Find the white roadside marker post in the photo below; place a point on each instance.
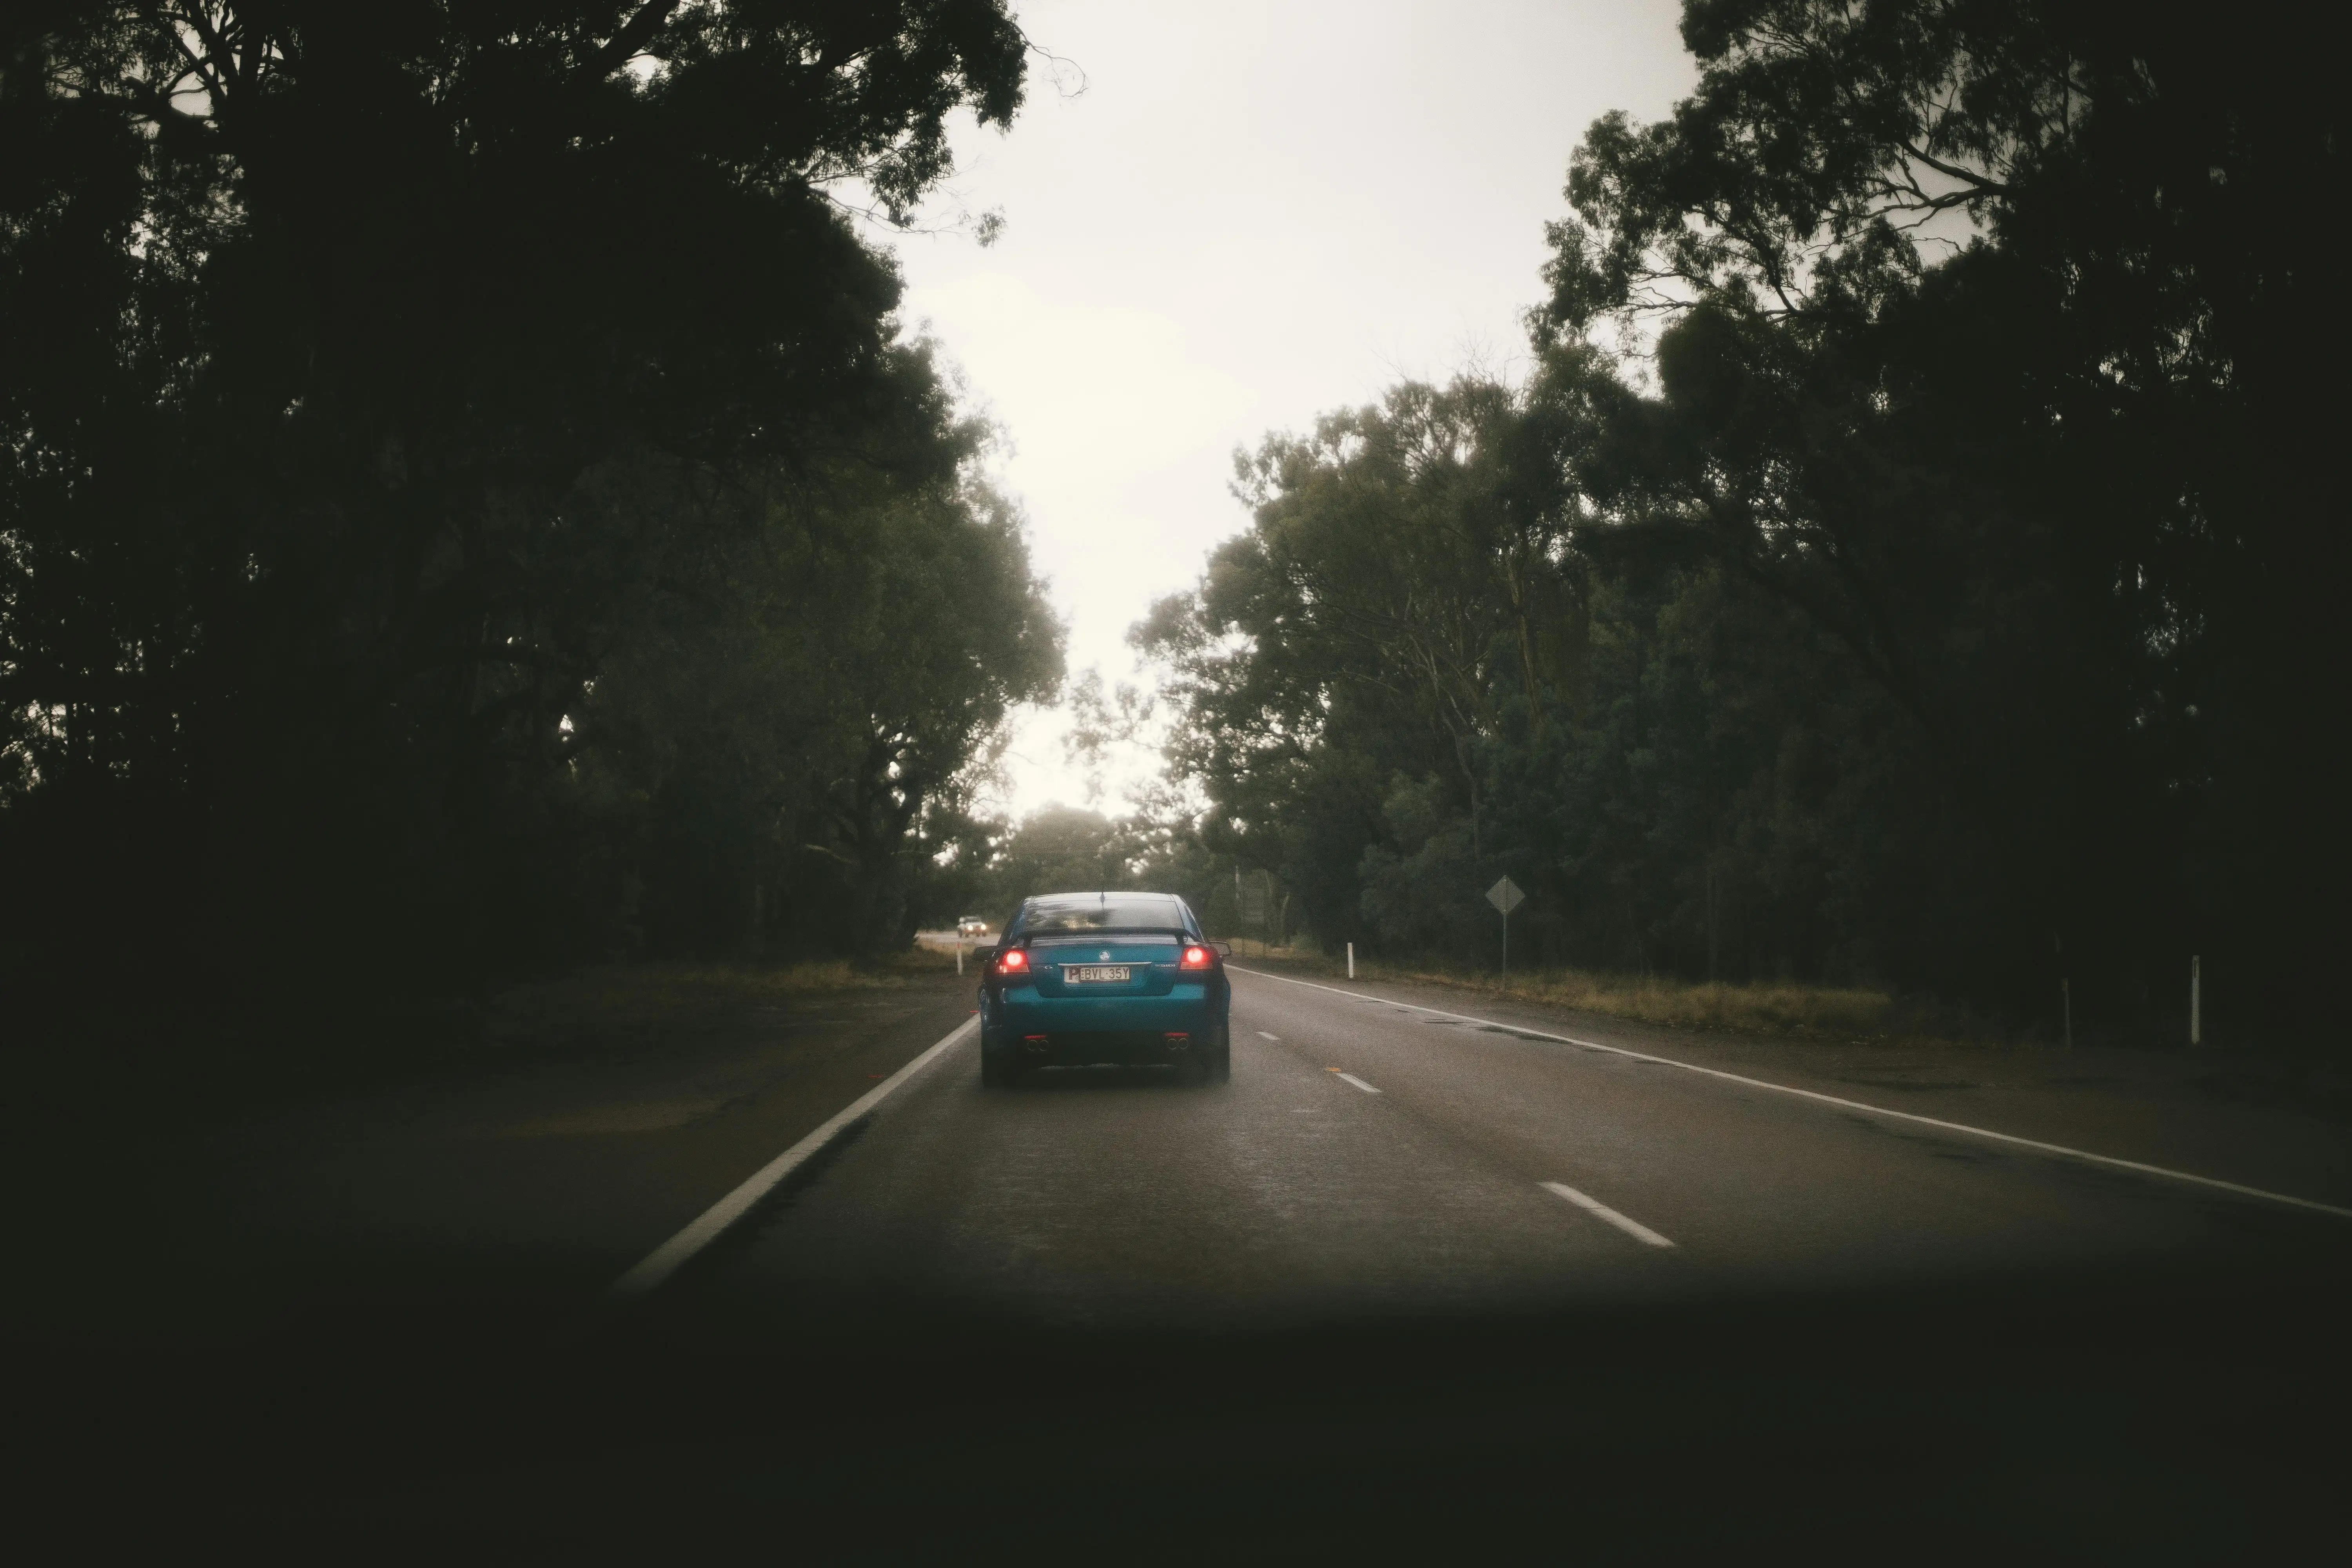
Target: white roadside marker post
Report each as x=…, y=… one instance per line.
x=2196, y=1002
x=1352, y=961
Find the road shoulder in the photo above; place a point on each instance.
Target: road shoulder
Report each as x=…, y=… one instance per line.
x=526, y=1180
x=2167, y=1107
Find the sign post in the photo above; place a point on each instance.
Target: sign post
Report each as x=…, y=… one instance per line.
x=1505, y=895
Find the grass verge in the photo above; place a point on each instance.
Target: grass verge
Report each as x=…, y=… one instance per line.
x=1770, y=1007
x=618, y=1001
x=132, y=1057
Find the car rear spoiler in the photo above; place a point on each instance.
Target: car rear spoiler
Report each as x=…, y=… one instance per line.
x=1223, y=949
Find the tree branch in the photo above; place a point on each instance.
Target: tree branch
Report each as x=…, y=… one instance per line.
x=625, y=45
x=1984, y=183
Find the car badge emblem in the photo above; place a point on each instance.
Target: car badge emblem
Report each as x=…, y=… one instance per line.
x=1106, y=957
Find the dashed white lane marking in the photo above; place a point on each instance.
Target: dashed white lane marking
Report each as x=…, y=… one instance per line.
x=666, y=1259
x=1360, y=1083
x=1599, y=1210
x=1264, y=1036
x=2061, y=1149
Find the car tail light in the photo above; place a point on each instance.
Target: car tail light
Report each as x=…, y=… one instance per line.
x=1013, y=960
x=1197, y=957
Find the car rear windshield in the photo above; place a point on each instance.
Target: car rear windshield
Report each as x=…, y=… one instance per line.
x=1103, y=914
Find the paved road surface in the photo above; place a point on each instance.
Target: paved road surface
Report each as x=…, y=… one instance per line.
x=1407, y=1286
x=1371, y=1161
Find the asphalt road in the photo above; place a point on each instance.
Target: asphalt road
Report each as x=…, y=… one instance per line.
x=1408, y=1285
x=1374, y=1163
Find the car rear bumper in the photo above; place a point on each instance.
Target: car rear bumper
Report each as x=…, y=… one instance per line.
x=1108, y=1047
x=1077, y=1031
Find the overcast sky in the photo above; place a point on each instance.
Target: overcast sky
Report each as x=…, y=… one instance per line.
x=1251, y=213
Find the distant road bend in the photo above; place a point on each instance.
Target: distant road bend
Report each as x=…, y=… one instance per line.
x=1375, y=1155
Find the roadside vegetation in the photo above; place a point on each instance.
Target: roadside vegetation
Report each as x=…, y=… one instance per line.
x=468, y=503
x=1908, y=565
x=158, y=1065
x=628, y=1005
x=1782, y=1007
x=469, y=508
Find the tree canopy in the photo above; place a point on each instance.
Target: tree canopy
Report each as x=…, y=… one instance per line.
x=466, y=496
x=1914, y=557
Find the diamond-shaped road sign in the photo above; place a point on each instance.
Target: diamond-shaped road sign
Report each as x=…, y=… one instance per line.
x=1505, y=896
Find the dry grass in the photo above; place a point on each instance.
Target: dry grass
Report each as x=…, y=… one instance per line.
x=641, y=1000
x=1767, y=1007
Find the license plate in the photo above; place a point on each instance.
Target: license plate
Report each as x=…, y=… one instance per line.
x=1094, y=973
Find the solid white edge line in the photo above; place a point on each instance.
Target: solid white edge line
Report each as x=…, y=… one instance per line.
x=1599, y=1210
x=2061, y=1149
x=666, y=1259
x=1360, y=1083
x=1264, y=1036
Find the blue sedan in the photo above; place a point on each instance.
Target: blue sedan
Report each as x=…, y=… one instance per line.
x=1088, y=979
